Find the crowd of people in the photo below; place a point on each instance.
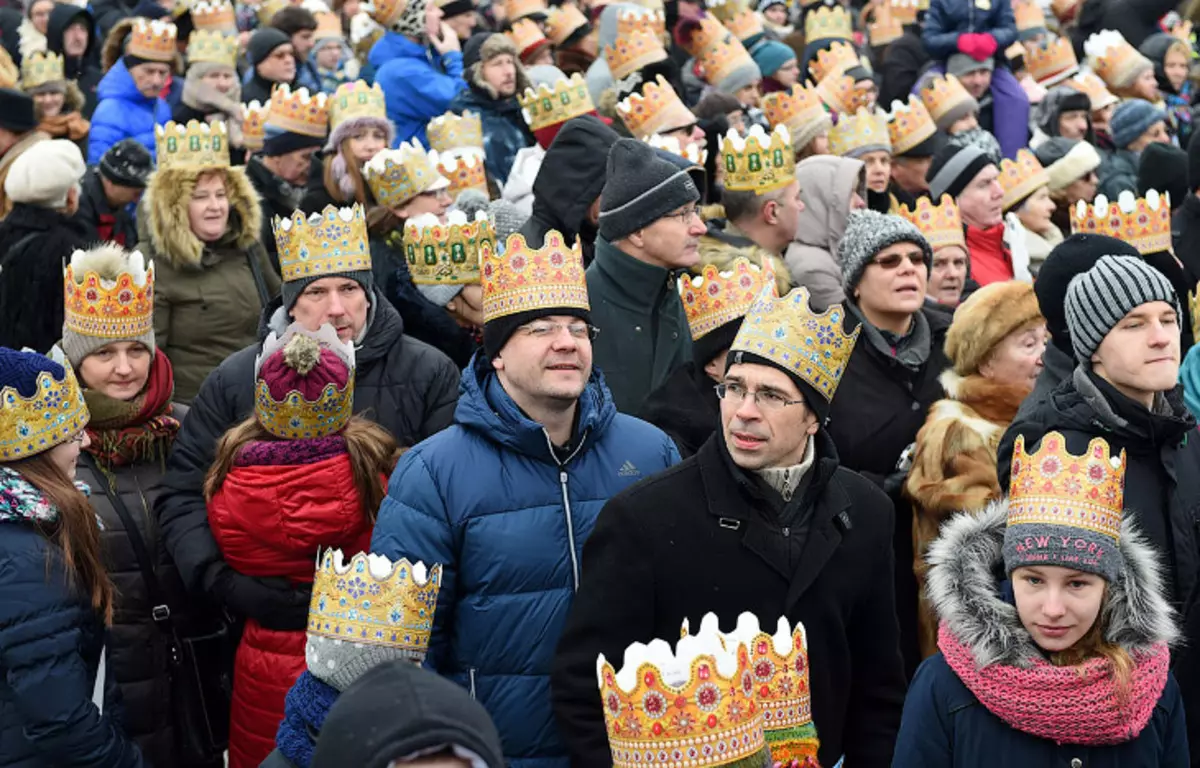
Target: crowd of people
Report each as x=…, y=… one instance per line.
x=482, y=383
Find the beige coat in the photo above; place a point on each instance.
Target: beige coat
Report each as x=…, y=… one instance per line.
x=827, y=183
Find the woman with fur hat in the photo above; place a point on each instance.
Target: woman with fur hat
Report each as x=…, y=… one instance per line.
x=299, y=475
x=201, y=223
x=358, y=130
x=57, y=101
x=995, y=347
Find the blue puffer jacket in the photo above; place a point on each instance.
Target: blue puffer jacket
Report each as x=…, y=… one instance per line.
x=505, y=132
x=123, y=113
x=947, y=19
x=415, y=88
x=50, y=643
x=488, y=499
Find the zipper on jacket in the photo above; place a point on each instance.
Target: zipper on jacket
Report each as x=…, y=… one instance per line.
x=562, y=481
x=471, y=677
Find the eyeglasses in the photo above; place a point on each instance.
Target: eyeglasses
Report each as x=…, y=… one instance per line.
x=765, y=399
x=545, y=330
x=78, y=437
x=685, y=215
x=892, y=260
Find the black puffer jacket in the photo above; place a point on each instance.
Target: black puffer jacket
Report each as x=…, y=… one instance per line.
x=685, y=407
x=93, y=207
x=276, y=198
x=34, y=242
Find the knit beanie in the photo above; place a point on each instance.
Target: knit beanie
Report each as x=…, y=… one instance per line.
x=1112, y=288
x=869, y=232
x=1073, y=256
x=16, y=111
x=952, y=169
x=111, y=264
x=262, y=42
x=1131, y=119
x=291, y=289
x=960, y=64
x=746, y=74
x=1163, y=167
x=1066, y=161
x=303, y=366
x=640, y=188
x=127, y=164
x=980, y=138
x=984, y=320
x=43, y=174
x=61, y=406
x=770, y=55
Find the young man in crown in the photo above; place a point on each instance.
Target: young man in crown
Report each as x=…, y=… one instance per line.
x=772, y=525
x=506, y=497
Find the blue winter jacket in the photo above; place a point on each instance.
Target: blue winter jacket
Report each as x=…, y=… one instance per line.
x=123, y=113
x=505, y=132
x=488, y=500
x=415, y=88
x=947, y=19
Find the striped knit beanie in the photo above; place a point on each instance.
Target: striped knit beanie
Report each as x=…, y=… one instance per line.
x=1112, y=288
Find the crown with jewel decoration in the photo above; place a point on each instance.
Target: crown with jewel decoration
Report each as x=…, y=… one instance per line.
x=631, y=52
x=523, y=278
x=884, y=27
x=396, y=176
x=199, y=145
x=152, y=40
x=717, y=52
x=213, y=47
x=1055, y=487
x=1021, y=177
x=796, y=109
x=863, y=131
x=326, y=243
x=40, y=68
x=714, y=298
x=836, y=58
x=446, y=254
x=463, y=168
x=740, y=20
x=328, y=25
x=909, y=125
x=904, y=11
x=519, y=9
x=657, y=109
x=1113, y=59
x=1029, y=16
x=941, y=95
x=354, y=100
x=786, y=331
x=758, y=162
x=102, y=308
x=940, y=224
x=689, y=151
x=839, y=93
x=1143, y=222
x=214, y=16
x=551, y=105
x=298, y=112
x=1052, y=62
x=52, y=415
x=295, y=417
x=450, y=131
x=562, y=21
x=637, y=19
x=265, y=10
x=828, y=22
x=525, y=34
x=254, y=125
x=387, y=12
x=1097, y=92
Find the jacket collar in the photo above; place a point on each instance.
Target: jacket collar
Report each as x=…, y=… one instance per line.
x=384, y=327
x=1165, y=424
x=635, y=284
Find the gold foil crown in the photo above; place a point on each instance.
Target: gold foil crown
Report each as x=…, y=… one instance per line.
x=354, y=100
x=387, y=12
x=884, y=28
x=254, y=125
x=446, y=254
x=689, y=151
x=862, y=131
x=1143, y=222
x=657, y=109
x=836, y=58
x=758, y=162
x=214, y=15
x=153, y=40
x=450, y=131
x=631, y=52
x=814, y=347
x=941, y=94
x=1051, y=62
x=103, y=308
x=396, y=176
x=630, y=20
x=740, y=20
x=463, y=168
x=331, y=242
x=905, y=11
x=717, y=52
x=525, y=34
x=548, y=106
x=562, y=21
x=299, y=112
x=794, y=109
x=1112, y=58
x=53, y=414
x=1055, y=487
x=523, y=278
x=1021, y=177
x=39, y=68
x=294, y=416
x=197, y=146
x=828, y=22
x=519, y=9
x=909, y=125
x=940, y=224
x=212, y=47
x=714, y=297
x=839, y=93
x=1097, y=92
x=1028, y=15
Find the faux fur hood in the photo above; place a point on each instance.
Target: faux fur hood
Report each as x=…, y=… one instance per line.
x=967, y=565
x=165, y=218
x=495, y=45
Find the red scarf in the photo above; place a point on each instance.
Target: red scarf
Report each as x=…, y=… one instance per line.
x=123, y=432
x=990, y=260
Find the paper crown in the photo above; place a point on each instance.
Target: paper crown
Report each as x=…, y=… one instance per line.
x=904, y=11
x=396, y=176
x=758, y=162
x=859, y=131
x=1054, y=487
x=99, y=308
x=373, y=601
x=714, y=298
x=1112, y=58
x=940, y=224
x=254, y=125
x=941, y=94
x=1050, y=63
x=199, y=145
x=1021, y=177
x=657, y=109
x=836, y=58
x=717, y=52
x=354, y=100
x=1183, y=32
x=55, y=412
x=328, y=25
x=631, y=52
x=153, y=40
x=828, y=22
x=450, y=131
x=298, y=112
x=519, y=9
x=387, y=12
x=693, y=707
x=446, y=254
x=786, y=331
x=562, y=21
x=909, y=125
x=884, y=28
x=295, y=417
x=838, y=92
x=796, y=109
x=331, y=242
x=553, y=105
x=1143, y=222
x=740, y=20
x=1028, y=15
x=266, y=10
x=212, y=47
x=213, y=15
x=689, y=151
x=636, y=19
x=463, y=168
x=525, y=34
x=523, y=278
x=39, y=68
x=1097, y=92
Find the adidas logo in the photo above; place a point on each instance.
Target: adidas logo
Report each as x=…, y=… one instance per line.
x=628, y=470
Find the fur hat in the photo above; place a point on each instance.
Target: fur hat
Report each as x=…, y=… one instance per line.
x=484, y=47
x=1066, y=161
x=164, y=213
x=985, y=319
x=45, y=173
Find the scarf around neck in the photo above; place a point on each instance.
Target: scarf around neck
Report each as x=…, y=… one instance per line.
x=910, y=350
x=304, y=710
x=127, y=431
x=22, y=501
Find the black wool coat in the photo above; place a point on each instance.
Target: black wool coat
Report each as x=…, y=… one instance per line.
x=685, y=407
x=699, y=538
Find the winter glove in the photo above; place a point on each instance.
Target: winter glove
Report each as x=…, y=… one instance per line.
x=275, y=603
x=979, y=46
x=987, y=46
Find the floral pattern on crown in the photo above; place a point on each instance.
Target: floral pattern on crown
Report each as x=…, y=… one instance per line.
x=941, y=224
x=331, y=242
x=109, y=309
x=1055, y=487
x=523, y=278
x=657, y=109
x=714, y=297
x=1143, y=222
x=31, y=425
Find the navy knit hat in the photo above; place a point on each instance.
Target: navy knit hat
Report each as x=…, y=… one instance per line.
x=1131, y=119
x=641, y=188
x=1100, y=297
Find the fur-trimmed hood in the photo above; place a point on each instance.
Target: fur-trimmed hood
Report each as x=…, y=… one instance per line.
x=493, y=45
x=164, y=216
x=967, y=566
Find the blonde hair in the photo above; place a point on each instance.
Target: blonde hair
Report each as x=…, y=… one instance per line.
x=1093, y=645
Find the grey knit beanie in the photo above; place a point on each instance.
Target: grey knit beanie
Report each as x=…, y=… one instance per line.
x=339, y=663
x=1112, y=288
x=641, y=188
x=868, y=233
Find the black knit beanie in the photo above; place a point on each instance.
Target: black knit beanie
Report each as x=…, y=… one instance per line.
x=640, y=188
x=1164, y=168
x=262, y=42
x=497, y=332
x=1073, y=256
x=716, y=341
x=953, y=167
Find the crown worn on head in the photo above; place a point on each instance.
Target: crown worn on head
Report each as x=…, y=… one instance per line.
x=519, y=9
x=1097, y=92
x=450, y=131
x=331, y=242
x=839, y=92
x=714, y=298
x=740, y=20
x=152, y=40
x=523, y=278
x=909, y=125
x=265, y=10
x=254, y=125
x=862, y=129
x=941, y=95
x=631, y=52
x=1112, y=58
x=1028, y=15
x=31, y=425
x=1055, y=487
x=811, y=346
x=553, y=105
x=758, y=162
x=328, y=25
x=355, y=100
x=396, y=176
x=387, y=12
x=630, y=20
x=941, y=224
x=212, y=47
x=562, y=21
x=836, y=58
x=446, y=254
x=884, y=28
x=1020, y=178
x=525, y=34
x=795, y=109
x=109, y=309
x=295, y=417
x=298, y=112
x=40, y=68
x=198, y=146
x=657, y=109
x=717, y=52
x=463, y=168
x=1052, y=62
x=828, y=22
x=690, y=151
x=215, y=16
x=905, y=11
x=1143, y=222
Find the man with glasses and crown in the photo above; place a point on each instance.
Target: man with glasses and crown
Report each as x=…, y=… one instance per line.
x=506, y=497
x=771, y=524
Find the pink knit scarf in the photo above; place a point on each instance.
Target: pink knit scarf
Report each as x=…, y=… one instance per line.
x=1067, y=705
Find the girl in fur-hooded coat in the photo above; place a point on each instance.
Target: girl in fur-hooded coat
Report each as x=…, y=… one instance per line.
x=954, y=464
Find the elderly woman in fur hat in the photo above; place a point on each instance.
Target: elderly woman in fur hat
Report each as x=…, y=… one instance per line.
x=995, y=347
x=57, y=101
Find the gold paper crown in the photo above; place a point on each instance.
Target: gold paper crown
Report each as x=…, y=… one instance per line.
x=1028, y=15
x=295, y=417
x=717, y=52
x=54, y=413
x=266, y=10
x=254, y=125
x=463, y=168
x=758, y=162
x=794, y=109
x=450, y=131
x=714, y=298
x=941, y=94
x=525, y=34
x=550, y=106
x=353, y=100
x=523, y=278
x=446, y=254
x=630, y=20
x=790, y=334
x=562, y=21
x=373, y=601
x=213, y=47
x=387, y=12
x=1112, y=58
x=1097, y=92
x=1020, y=178
x=837, y=91
x=631, y=52
x=298, y=112
x=864, y=130
x=396, y=176
x=199, y=145
x=1054, y=487
x=836, y=58
x=884, y=28
x=328, y=25
x=213, y=15
x=940, y=224
x=152, y=40
x=828, y=22
x=102, y=308
x=1183, y=32
x=904, y=11
x=326, y=243
x=519, y=9
x=657, y=109
x=1050, y=63
x=909, y=125
x=740, y=20
x=39, y=68
x=1143, y=222
x=689, y=151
